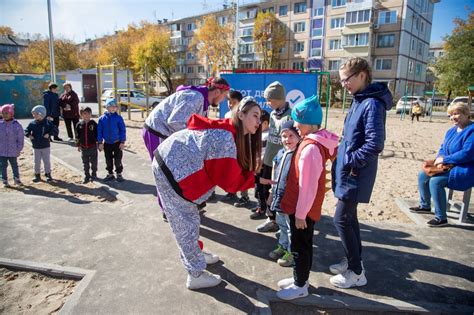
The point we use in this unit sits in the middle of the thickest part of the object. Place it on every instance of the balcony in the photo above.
(175, 34)
(359, 5)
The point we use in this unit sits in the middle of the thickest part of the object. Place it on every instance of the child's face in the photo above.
(86, 116)
(265, 125)
(289, 139)
(275, 104)
(112, 109)
(232, 102)
(6, 115)
(37, 116)
(303, 129)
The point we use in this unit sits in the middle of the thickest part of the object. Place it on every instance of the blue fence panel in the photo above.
(25, 91)
(298, 86)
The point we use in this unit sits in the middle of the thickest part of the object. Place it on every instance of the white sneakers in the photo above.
(210, 258)
(291, 291)
(349, 279)
(205, 280)
(340, 267)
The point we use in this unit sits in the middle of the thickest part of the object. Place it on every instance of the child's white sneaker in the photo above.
(210, 258)
(293, 291)
(349, 279)
(287, 282)
(205, 280)
(339, 268)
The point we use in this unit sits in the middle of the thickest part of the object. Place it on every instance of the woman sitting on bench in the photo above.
(457, 150)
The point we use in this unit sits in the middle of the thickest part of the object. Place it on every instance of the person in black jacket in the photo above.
(51, 103)
(86, 130)
(40, 130)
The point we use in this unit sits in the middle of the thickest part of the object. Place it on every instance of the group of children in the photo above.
(108, 135)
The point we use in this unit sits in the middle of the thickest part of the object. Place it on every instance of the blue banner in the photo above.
(298, 86)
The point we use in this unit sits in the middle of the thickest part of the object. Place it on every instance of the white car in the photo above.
(406, 102)
(136, 98)
(461, 99)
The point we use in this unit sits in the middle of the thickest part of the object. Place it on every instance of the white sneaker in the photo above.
(5, 183)
(210, 258)
(349, 279)
(293, 292)
(282, 284)
(205, 280)
(339, 268)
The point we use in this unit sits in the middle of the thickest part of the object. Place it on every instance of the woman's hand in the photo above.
(300, 224)
(265, 181)
(439, 160)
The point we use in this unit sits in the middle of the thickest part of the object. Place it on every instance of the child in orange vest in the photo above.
(304, 192)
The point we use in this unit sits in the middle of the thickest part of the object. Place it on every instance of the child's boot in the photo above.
(5, 183)
(87, 179)
(120, 177)
(37, 178)
(109, 177)
(93, 177)
(17, 181)
(48, 177)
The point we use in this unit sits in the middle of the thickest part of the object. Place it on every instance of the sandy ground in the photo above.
(32, 293)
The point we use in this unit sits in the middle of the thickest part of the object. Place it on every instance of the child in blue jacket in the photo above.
(111, 136)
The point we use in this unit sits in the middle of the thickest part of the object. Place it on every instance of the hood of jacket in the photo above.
(327, 139)
(379, 91)
(197, 122)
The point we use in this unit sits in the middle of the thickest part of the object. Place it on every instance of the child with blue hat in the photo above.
(305, 190)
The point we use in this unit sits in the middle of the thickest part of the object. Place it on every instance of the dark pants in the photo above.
(71, 130)
(302, 250)
(113, 155)
(417, 117)
(89, 159)
(263, 191)
(347, 225)
(56, 123)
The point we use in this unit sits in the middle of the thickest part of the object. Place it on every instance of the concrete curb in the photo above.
(83, 276)
(402, 204)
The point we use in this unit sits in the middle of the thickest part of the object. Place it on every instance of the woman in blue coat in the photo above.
(457, 149)
(355, 168)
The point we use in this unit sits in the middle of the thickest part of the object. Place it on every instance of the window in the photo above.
(431, 54)
(191, 26)
(317, 27)
(223, 20)
(354, 17)
(422, 29)
(441, 54)
(335, 44)
(410, 66)
(270, 9)
(383, 64)
(412, 44)
(338, 3)
(387, 40)
(300, 7)
(248, 31)
(249, 14)
(298, 47)
(318, 11)
(282, 50)
(201, 69)
(316, 45)
(190, 70)
(283, 10)
(418, 68)
(298, 65)
(420, 48)
(246, 49)
(190, 56)
(387, 17)
(356, 39)
(299, 27)
(334, 64)
(337, 22)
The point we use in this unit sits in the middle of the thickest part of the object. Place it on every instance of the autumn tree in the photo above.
(214, 43)
(269, 38)
(455, 69)
(6, 30)
(156, 52)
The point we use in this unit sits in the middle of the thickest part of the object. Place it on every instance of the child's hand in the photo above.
(46, 135)
(79, 148)
(31, 137)
(265, 181)
(122, 146)
(300, 224)
(101, 146)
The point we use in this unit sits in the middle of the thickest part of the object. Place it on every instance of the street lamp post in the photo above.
(51, 44)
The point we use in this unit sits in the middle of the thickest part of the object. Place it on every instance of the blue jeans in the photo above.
(347, 226)
(283, 222)
(433, 187)
(4, 164)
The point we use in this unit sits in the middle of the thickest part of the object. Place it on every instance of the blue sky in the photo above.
(80, 19)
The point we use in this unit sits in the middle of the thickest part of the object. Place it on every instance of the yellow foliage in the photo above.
(269, 37)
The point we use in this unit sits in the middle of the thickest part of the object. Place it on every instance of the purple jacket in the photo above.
(11, 138)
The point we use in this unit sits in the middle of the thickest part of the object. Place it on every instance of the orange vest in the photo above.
(290, 198)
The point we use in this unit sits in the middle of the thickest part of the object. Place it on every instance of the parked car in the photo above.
(407, 102)
(136, 98)
(465, 100)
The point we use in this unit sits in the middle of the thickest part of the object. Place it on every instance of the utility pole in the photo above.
(51, 44)
(236, 52)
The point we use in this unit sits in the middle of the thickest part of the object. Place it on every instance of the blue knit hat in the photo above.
(110, 102)
(39, 109)
(308, 112)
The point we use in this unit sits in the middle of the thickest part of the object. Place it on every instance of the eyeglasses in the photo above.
(346, 80)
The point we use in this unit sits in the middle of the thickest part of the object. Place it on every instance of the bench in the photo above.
(463, 206)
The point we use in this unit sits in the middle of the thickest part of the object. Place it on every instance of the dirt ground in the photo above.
(32, 293)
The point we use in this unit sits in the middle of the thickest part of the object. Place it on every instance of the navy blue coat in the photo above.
(51, 102)
(458, 149)
(38, 129)
(363, 139)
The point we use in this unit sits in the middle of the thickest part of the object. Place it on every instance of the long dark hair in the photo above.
(249, 146)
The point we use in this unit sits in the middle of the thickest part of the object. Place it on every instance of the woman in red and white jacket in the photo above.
(188, 166)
